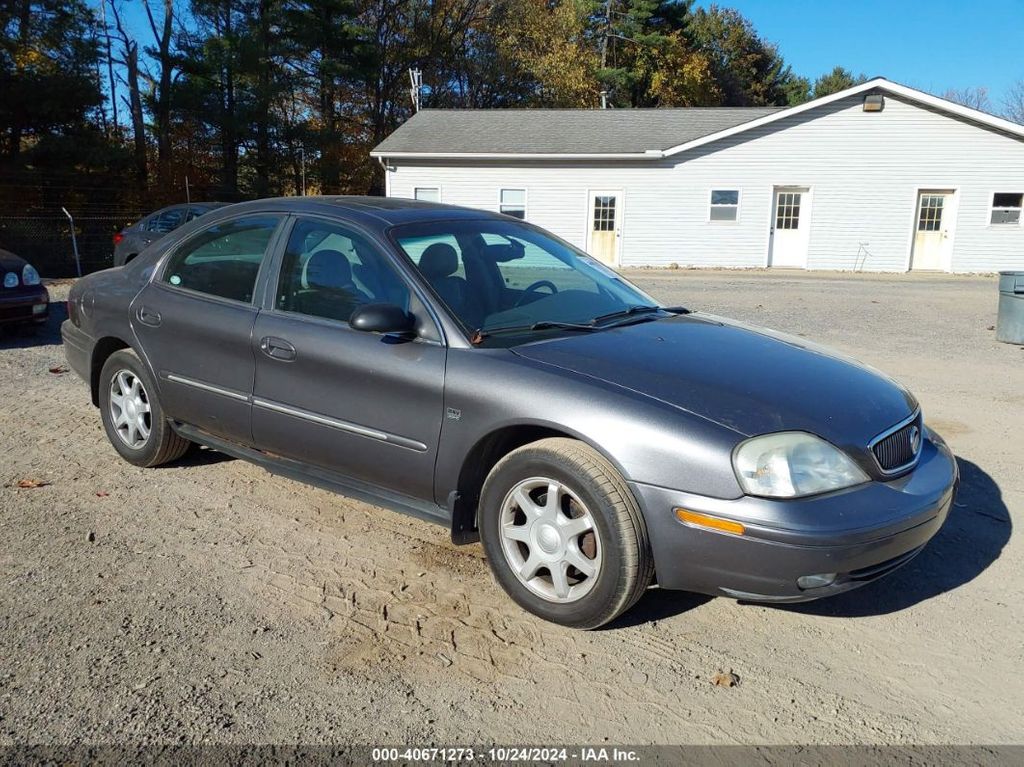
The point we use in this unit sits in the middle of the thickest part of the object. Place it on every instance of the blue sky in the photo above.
(930, 45)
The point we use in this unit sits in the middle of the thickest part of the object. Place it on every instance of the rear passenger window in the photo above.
(329, 270)
(167, 221)
(224, 259)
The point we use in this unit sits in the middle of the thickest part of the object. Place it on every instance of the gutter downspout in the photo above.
(387, 178)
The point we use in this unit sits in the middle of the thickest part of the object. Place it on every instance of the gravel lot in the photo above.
(211, 602)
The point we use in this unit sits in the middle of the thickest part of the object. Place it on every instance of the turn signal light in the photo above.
(712, 523)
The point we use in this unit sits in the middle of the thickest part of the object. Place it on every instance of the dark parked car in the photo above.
(23, 299)
(476, 371)
(132, 240)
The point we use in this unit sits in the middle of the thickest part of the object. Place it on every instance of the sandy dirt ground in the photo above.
(209, 601)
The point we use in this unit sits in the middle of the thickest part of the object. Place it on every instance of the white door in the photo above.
(933, 230)
(791, 227)
(605, 226)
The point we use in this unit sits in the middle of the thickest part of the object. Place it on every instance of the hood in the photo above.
(11, 263)
(751, 380)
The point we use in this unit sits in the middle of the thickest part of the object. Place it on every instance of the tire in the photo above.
(522, 532)
(161, 444)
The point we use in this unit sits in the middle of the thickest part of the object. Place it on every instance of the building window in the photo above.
(1006, 207)
(725, 205)
(604, 213)
(427, 193)
(513, 202)
(929, 219)
(787, 210)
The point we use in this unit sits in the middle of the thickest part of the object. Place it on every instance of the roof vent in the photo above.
(874, 102)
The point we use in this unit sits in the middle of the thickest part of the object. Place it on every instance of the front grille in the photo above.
(15, 313)
(899, 449)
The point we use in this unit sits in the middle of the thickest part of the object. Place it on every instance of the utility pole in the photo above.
(607, 32)
(415, 87)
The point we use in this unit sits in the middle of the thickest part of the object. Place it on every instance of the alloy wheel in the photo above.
(129, 409)
(550, 540)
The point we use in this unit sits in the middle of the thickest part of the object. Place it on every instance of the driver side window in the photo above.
(329, 270)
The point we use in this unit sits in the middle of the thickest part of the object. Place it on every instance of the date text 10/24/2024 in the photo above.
(503, 754)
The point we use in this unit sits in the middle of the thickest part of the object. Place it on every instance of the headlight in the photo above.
(10, 280)
(29, 275)
(793, 464)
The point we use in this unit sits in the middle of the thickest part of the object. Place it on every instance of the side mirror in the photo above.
(382, 318)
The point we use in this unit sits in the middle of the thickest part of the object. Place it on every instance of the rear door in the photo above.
(194, 322)
(359, 404)
(791, 227)
(604, 232)
(933, 240)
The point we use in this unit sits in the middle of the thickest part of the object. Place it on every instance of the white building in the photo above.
(879, 177)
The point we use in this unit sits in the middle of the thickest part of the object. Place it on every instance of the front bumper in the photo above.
(860, 534)
(19, 304)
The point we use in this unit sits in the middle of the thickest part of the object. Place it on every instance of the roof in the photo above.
(561, 131)
(376, 212)
(638, 134)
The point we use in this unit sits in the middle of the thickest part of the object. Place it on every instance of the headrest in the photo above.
(327, 269)
(439, 260)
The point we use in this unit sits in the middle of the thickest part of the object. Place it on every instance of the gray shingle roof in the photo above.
(561, 131)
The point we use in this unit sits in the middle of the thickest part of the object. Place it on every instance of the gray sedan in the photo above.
(133, 239)
(476, 371)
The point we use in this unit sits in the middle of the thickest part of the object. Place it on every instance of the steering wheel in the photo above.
(533, 288)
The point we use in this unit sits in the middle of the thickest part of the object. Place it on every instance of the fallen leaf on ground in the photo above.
(725, 679)
(28, 484)
(58, 370)
(102, 493)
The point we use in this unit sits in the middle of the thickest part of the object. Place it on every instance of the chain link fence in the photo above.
(47, 243)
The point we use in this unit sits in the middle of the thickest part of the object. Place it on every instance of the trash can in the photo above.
(1010, 321)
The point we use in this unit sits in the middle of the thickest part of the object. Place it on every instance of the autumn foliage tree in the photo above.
(257, 97)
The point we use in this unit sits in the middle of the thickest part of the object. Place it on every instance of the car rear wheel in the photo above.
(131, 413)
(563, 534)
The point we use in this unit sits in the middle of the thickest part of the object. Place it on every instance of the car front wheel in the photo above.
(563, 534)
(131, 413)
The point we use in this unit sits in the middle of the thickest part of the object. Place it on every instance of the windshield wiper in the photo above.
(638, 309)
(480, 334)
(588, 327)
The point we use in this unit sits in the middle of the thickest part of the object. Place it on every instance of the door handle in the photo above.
(277, 348)
(148, 317)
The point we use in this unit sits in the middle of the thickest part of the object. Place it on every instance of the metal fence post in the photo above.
(74, 241)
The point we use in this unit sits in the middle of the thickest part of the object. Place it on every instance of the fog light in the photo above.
(39, 308)
(816, 581)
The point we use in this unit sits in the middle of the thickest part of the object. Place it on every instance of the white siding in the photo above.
(864, 170)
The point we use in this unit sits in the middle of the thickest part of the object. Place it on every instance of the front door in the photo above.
(362, 405)
(194, 323)
(791, 227)
(605, 226)
(933, 237)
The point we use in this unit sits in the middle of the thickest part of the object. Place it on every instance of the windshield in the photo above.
(505, 278)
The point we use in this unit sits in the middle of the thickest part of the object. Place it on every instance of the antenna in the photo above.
(188, 193)
(415, 87)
